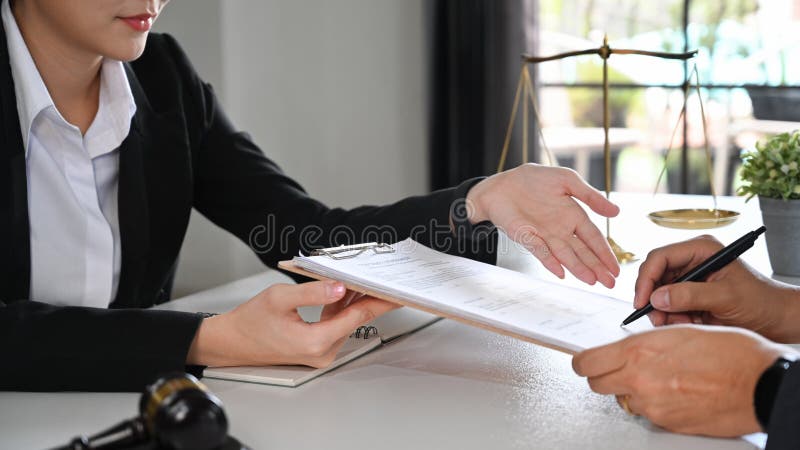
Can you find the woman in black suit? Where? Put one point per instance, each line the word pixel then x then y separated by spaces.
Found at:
pixel 177 151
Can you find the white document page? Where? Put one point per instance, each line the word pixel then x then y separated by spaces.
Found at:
pixel 563 317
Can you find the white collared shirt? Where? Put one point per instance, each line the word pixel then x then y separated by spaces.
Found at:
pixel 72 182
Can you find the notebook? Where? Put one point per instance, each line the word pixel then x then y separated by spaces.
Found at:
pixel 506 302
pixel 386 328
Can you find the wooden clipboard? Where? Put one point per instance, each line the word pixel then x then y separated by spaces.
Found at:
pixel 290 266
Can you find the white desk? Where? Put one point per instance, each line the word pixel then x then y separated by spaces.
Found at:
pixel 447 386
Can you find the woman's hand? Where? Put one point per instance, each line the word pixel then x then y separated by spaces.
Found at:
pixel 687 379
pixel 535 206
pixel 267 330
pixel 736 295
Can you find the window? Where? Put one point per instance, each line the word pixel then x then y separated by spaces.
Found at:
pixel 749 68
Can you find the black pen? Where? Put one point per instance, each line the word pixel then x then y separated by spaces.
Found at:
pixel 717 261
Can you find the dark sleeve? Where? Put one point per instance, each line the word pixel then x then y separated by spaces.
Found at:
pixel 53 348
pixel 240 189
pixel 784 422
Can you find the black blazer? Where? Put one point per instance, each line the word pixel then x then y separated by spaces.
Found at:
pixel 182 153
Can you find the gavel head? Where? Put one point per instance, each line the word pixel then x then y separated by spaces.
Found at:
pixel 181 414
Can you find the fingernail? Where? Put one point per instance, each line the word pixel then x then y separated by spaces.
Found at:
pixel 660 299
pixel 334 289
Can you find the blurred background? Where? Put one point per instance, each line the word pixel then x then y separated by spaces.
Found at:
pixel 369 101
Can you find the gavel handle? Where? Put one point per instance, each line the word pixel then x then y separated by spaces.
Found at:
pixel 120 436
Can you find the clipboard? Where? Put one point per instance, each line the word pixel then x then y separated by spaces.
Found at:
pixel 348 252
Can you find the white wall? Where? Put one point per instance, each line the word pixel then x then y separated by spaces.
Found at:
pixel 335 92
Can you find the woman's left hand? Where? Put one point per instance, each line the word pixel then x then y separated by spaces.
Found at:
pixel 685 378
pixel 535 206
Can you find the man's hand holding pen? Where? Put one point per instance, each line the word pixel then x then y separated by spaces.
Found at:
pixel 692 378
pixel 736 295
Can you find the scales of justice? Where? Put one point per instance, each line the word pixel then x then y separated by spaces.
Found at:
pixel 676 218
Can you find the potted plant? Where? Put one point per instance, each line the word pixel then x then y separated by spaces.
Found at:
pixel 772 172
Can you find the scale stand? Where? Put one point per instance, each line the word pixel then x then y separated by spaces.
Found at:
pixel 683 218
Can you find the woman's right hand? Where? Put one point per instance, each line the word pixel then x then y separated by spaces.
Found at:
pixel 267 330
pixel 736 295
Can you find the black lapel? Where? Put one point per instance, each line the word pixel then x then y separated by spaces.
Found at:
pixel 133 210
pixel 15 252
pixel 155 198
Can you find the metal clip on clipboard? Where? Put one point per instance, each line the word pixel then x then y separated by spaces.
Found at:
pixel 351 251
